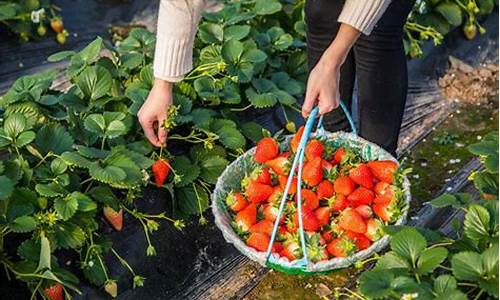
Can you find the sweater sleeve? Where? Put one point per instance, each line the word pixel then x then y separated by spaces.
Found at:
pixel 177 24
pixel 363 14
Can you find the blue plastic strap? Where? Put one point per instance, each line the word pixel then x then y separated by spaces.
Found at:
pixel 347 113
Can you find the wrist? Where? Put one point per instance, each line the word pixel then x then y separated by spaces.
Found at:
pixel 163 85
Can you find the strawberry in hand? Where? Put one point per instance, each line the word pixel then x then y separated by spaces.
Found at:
pixel 161 169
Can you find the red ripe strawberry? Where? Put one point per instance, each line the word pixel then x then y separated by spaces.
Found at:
pixel 236 202
pixel 267 149
pixel 339 154
pixel 285 154
pixel 115 218
pixel 312 173
pixel 258 192
pixel 293 185
pixel 383 170
pixel 349 219
pixel 246 218
pixel 280 165
pixel 361 196
pixel 314 148
pixel 374 229
pixel 294 143
pixel 309 199
pixel 276 196
pixel 385 209
pixel 361 241
pixel 323 215
pixel 258 241
pixel 271 213
pixel 291 246
pixel 338 202
pixel 325 189
pixel 54 292
pixel 385 189
pixel 309 220
pixel 261 175
pixel 277 247
pixel 362 176
pixel 161 169
pixel 365 211
pixel 264 226
pixel 341 247
pixel 344 185
pixel 327 236
pixel 327 166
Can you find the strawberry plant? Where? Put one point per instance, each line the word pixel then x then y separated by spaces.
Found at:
pixel 30 19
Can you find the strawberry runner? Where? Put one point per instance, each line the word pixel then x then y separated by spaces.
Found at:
pixel 234 173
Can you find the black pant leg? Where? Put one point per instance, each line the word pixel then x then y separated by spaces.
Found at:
pixel 322 27
pixel 382 76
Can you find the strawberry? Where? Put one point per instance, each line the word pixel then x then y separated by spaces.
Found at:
pixel 385 209
pixel 258 192
pixel 349 219
pixel 264 226
pixel 309 199
pixel 294 143
pixel 271 213
pixel 285 154
pixel 312 173
pixel 54 292
pixel 341 247
pixel 291 246
pixel 361 241
pixel 111 288
pixel 344 185
pixel 327 236
pixel 276 196
pixel 61 37
pixel 261 175
pixel 362 176
pixel 374 229
pixel 338 155
pixel 314 148
pixel 327 166
pixel 365 211
pixel 293 185
pixel 236 202
pixel 323 215
pixel 338 202
pixel 277 247
pixel 267 149
pixel 325 189
pixel 316 250
pixel 361 196
pixel 383 170
pixel 386 190
pixel 57 25
pixel 115 218
pixel 280 165
pixel 161 169
pixel 258 241
pixel 246 218
pixel 309 220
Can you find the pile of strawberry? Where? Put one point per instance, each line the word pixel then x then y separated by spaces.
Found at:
pixel 345 201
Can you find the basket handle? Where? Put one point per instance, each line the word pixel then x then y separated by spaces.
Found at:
pixel 299 160
pixel 348 116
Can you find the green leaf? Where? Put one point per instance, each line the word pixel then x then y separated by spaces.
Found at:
pixel 392 261
pixel 408 243
pixel 445 200
pixel 267 7
pixel 231 51
pixel 405 285
pixel 91 52
pixel 69 235
pixel 66 207
pixel 94 82
pixel 202 116
pixel 95 123
pixel 29 250
pixel 263 100
pixel 490 260
pixel 467 265
pixel 444 284
pixel 108 174
pixel 53 138
pixel 430 259
pixel 49 189
pixel 254 56
pixel 490 286
pixel 85 204
pixel 115 129
pixel 199 153
pixel 103 194
pixel 7 187
pixel 485 6
pixel 252 131
pixel 212 167
pixel 451 12
pixel 284 41
pixel 477 223
pixel 376 283
pixel 187 170
pixel 73 158
pixel 45 257
pixel 191 199
pixel 95 272
pixel 14 124
pixel 231 138
pixel 484 147
pixel 58 166
pixel 23 224
pixel 61 55
pixel 285 98
pixel 236 32
pixel 210 33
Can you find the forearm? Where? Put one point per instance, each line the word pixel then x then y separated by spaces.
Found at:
pixel 335 55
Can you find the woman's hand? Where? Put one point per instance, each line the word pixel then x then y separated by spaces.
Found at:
pixel 154 111
pixel 323 81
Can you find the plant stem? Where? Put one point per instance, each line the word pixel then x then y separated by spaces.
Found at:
pixel 479 294
pixel 36 289
pixel 123 262
pixel 241 108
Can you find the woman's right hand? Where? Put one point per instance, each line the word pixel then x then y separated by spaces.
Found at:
pixel 154 111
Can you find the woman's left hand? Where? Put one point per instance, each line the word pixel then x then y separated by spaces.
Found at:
pixel 322 88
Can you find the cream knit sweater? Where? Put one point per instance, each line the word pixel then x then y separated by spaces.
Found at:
pixel 178 22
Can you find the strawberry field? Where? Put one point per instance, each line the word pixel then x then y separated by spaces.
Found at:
pixel 90 210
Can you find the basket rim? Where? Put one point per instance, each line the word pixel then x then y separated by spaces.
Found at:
pixel 335 263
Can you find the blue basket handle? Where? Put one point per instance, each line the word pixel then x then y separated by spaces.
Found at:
pixel 347 113
pixel 299 160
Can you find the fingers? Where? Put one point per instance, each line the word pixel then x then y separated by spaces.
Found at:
pixel 309 102
pixel 328 103
pixel 149 132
